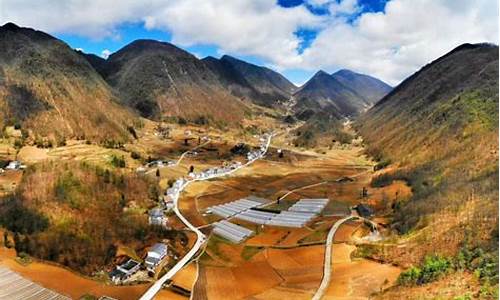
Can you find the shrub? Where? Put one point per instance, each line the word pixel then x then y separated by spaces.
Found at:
pixel 118 162
pixel 240 149
pixel 201 120
pixel 135 155
pixel 60 141
pixel 410 276
pixel 387 178
pixel 432 269
pixel 484 265
pixel 18 143
pixel 382 164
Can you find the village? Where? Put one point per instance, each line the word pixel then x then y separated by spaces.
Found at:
pixel 231 221
pixel 132 270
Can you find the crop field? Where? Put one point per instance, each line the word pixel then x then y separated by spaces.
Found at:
pixel 286 262
pixel 75 286
pixel 239 282
pixel 276 262
pixel 186 277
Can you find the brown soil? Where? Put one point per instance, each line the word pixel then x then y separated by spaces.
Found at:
pixel 66 282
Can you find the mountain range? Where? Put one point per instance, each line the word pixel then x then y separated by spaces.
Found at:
pixel 344 93
pixel 257 84
pixel 54 90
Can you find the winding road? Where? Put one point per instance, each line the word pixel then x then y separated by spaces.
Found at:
pixel 200 237
pixel 327 269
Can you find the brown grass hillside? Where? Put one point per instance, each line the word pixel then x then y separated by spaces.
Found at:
pixel 160 80
pixel 439 130
pixel 77 215
pixel 51 91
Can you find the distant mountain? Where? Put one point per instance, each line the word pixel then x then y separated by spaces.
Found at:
pixel 369 88
pixel 341 94
pixel 159 79
pixel 258 84
pixel 49 90
pixel 440 127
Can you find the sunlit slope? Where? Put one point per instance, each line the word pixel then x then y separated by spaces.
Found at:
pixel 161 80
pixel 49 90
pixel 439 128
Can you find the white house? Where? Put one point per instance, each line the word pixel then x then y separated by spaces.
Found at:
pixel 157 217
pixel 155 255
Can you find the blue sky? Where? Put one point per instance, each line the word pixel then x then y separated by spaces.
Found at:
pixel 128 32
pixel 294 37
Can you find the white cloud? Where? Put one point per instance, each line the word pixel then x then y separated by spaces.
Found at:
pixel 344 7
pixel 394 44
pixel 390 45
pixel 256 27
pixel 91 18
pixel 105 53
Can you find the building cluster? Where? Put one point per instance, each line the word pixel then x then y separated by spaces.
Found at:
pixel 215 171
pixel 233 208
pixel 256 154
pixel 156 255
pixel 155 164
pixel 124 271
pixel 157 216
pixel 160 163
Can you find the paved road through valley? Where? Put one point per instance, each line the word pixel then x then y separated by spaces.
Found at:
pixel 200 237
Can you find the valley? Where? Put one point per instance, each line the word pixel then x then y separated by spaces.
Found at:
pixel 156 174
pixel 296 175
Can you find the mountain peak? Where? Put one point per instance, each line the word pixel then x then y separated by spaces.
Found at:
pixel 10 26
pixel 246 80
pixel 229 57
pixel 345 72
pixel 321 73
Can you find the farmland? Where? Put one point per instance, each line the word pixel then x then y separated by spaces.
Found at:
pixel 275 261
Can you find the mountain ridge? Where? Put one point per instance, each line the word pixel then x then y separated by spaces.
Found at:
pixel 51 91
pixel 159 79
pixel 439 131
pixel 343 93
pixel 258 84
